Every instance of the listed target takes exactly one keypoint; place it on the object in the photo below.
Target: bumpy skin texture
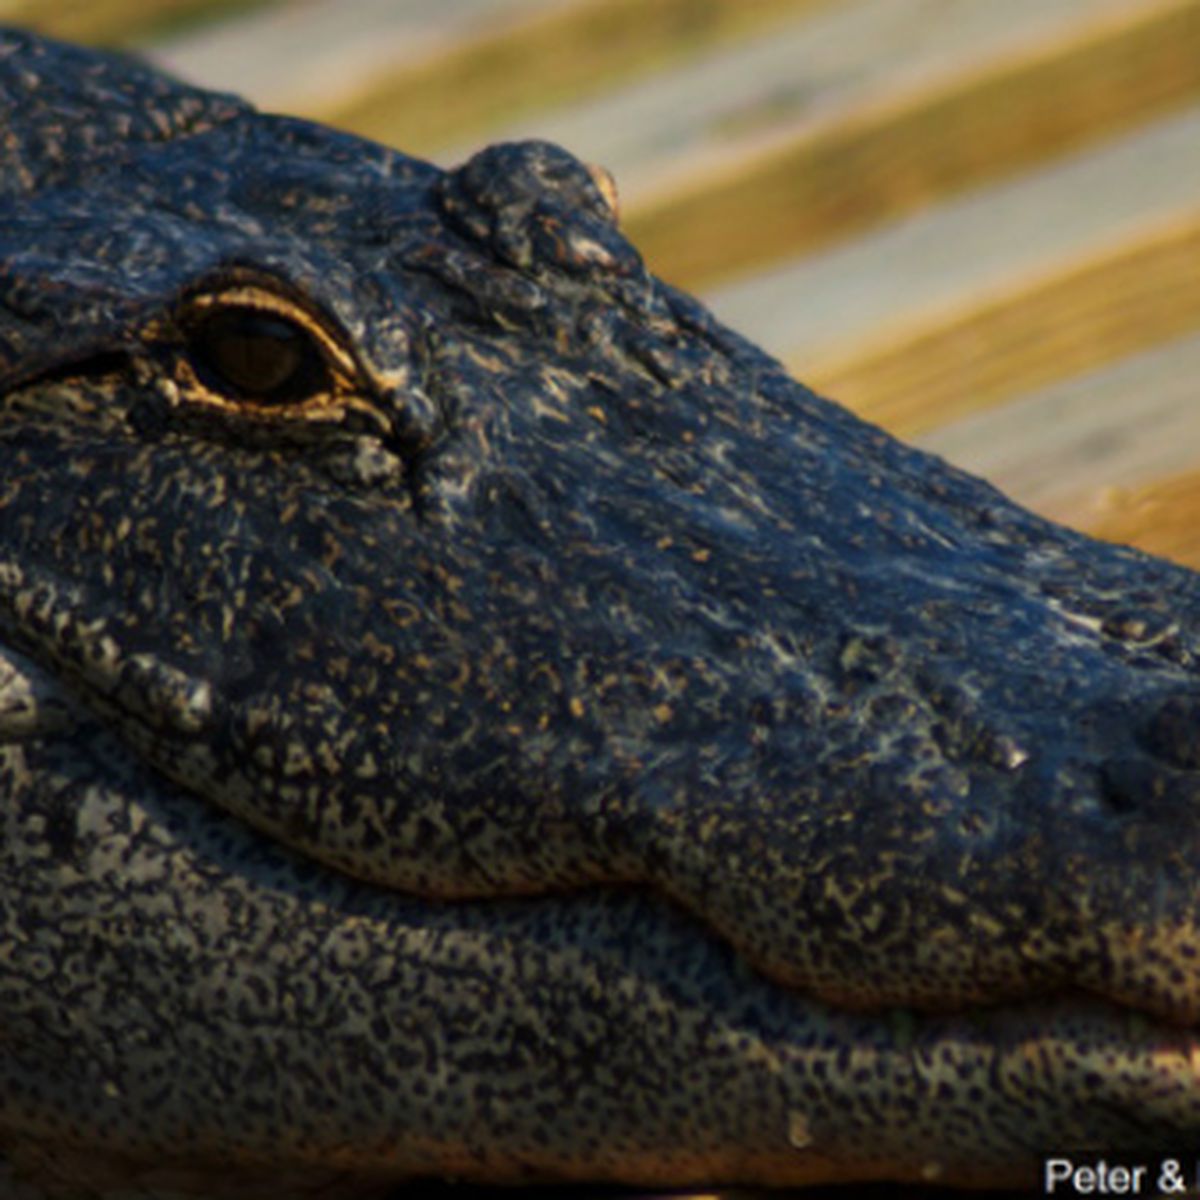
(542, 740)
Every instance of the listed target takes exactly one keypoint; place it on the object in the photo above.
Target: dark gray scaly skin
(519, 733)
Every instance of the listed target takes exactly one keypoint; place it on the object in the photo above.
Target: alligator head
(464, 712)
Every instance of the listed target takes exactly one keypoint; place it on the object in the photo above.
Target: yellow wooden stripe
(1128, 297)
(119, 22)
(1162, 517)
(871, 165)
(560, 56)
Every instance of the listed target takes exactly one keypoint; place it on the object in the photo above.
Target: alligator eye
(245, 353)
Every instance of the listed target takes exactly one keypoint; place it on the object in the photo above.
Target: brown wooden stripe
(1127, 298)
(558, 57)
(121, 22)
(1162, 517)
(865, 167)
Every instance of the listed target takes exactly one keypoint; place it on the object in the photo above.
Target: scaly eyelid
(269, 302)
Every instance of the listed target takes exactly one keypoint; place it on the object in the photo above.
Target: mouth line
(552, 989)
(610, 1016)
(904, 1023)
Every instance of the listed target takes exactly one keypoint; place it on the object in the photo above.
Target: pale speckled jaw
(465, 713)
(265, 1024)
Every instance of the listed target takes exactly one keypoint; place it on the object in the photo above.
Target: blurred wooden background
(977, 223)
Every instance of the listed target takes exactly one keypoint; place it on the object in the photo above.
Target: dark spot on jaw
(1128, 785)
(61, 832)
(1142, 786)
(1173, 732)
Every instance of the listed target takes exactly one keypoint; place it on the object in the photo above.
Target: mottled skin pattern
(529, 736)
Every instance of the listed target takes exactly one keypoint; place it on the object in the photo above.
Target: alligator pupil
(246, 354)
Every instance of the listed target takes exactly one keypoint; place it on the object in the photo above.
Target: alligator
(465, 714)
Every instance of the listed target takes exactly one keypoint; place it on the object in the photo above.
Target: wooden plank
(1061, 449)
(572, 50)
(120, 22)
(1117, 300)
(863, 167)
(910, 275)
(308, 58)
(1162, 517)
(658, 134)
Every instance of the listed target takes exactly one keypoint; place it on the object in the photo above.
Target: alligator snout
(1022, 820)
(472, 715)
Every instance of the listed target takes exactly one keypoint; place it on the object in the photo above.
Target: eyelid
(352, 394)
(260, 299)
